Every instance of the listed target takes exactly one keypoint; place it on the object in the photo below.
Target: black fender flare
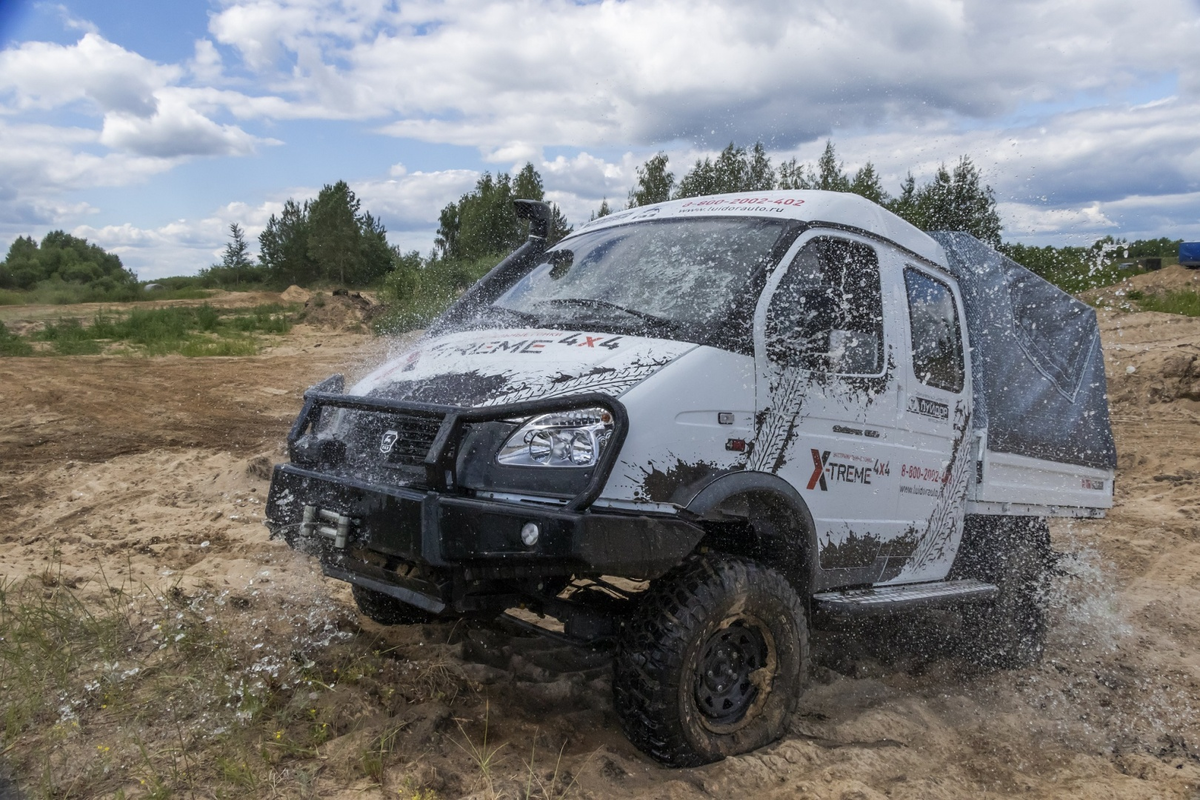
(800, 527)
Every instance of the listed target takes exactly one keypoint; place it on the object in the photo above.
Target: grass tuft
(190, 331)
(13, 345)
(137, 693)
(1182, 302)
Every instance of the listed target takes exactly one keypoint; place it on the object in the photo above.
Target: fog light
(530, 534)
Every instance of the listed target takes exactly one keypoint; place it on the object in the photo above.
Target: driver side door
(828, 391)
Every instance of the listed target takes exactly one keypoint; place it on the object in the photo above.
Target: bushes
(13, 345)
(67, 260)
(415, 293)
(196, 331)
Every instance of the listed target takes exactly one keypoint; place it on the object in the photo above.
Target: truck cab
(695, 431)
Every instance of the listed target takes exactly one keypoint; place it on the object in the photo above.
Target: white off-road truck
(700, 429)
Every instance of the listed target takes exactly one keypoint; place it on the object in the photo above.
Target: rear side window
(937, 354)
(827, 313)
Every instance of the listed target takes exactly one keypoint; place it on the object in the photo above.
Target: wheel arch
(782, 533)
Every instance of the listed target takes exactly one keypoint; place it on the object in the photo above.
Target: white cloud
(529, 73)
(180, 247)
(43, 75)
(1071, 124)
(75, 23)
(175, 130)
(143, 110)
(40, 164)
(206, 65)
(413, 201)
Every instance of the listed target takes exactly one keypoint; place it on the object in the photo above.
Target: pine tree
(760, 176)
(376, 256)
(334, 238)
(236, 262)
(905, 206)
(866, 184)
(283, 246)
(794, 175)
(733, 170)
(559, 227)
(528, 184)
(830, 176)
(482, 223)
(959, 202)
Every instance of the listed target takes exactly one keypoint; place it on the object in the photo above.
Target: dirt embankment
(152, 473)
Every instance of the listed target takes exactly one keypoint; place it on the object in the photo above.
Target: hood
(493, 367)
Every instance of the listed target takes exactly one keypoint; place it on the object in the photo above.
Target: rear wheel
(388, 610)
(712, 663)
(1014, 554)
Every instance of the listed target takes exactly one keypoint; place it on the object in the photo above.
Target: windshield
(682, 276)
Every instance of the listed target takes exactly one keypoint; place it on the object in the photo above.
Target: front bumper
(442, 551)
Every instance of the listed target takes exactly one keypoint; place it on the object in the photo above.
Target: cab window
(937, 352)
(827, 313)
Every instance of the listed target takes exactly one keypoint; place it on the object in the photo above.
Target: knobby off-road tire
(387, 610)
(712, 662)
(1014, 554)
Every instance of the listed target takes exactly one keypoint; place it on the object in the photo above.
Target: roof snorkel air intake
(504, 274)
(538, 214)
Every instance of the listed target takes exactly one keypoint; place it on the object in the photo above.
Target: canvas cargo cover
(1039, 383)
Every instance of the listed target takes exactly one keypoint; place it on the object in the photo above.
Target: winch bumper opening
(438, 551)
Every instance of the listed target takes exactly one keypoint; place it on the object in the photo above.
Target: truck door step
(888, 599)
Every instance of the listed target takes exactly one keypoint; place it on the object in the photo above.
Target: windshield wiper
(523, 316)
(591, 302)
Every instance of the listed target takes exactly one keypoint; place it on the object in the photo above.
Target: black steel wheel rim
(725, 684)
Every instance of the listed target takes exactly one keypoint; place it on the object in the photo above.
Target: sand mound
(340, 311)
(1168, 279)
(294, 294)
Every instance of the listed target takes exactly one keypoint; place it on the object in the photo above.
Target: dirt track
(153, 470)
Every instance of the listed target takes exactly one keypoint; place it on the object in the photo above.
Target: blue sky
(149, 127)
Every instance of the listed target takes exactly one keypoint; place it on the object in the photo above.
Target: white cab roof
(812, 207)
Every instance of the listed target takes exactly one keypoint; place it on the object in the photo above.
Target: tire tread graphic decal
(609, 381)
(946, 521)
(777, 423)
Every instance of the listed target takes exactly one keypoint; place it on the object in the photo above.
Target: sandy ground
(154, 471)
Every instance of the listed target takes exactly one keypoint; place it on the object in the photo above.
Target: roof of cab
(837, 209)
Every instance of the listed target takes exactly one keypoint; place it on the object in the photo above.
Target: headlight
(561, 439)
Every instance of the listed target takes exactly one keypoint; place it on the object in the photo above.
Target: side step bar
(889, 599)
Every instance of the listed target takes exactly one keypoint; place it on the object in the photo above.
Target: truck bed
(1018, 485)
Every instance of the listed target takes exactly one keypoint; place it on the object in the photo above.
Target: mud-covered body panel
(688, 426)
(496, 366)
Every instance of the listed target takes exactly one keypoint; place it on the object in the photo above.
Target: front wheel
(712, 663)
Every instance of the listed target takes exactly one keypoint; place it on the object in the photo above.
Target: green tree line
(953, 199)
(329, 239)
(65, 259)
(332, 239)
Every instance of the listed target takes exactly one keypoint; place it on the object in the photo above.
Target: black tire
(1014, 554)
(388, 610)
(712, 662)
